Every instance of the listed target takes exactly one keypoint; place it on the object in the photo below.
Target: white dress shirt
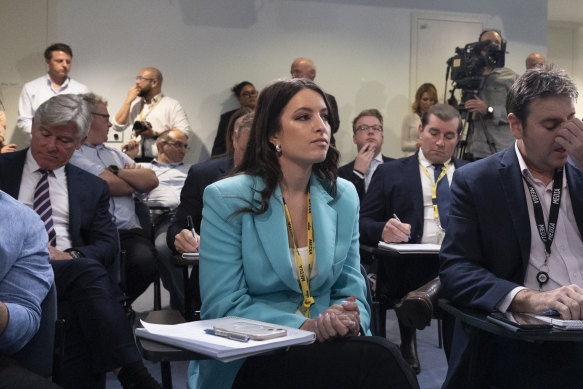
(36, 92)
(171, 179)
(58, 193)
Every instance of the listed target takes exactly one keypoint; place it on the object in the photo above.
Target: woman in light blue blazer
(282, 214)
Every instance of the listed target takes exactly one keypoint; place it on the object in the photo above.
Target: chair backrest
(37, 355)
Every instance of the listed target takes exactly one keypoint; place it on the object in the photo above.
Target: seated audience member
(171, 173)
(305, 68)
(81, 241)
(230, 128)
(58, 57)
(149, 112)
(416, 189)
(367, 128)
(247, 96)
(124, 178)
(425, 97)
(180, 237)
(513, 241)
(25, 279)
(4, 148)
(535, 59)
(256, 229)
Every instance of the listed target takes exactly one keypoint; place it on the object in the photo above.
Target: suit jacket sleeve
(373, 212)
(347, 172)
(468, 274)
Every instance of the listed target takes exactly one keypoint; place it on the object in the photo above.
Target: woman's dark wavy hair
(260, 156)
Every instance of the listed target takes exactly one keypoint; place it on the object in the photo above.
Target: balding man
(305, 68)
(150, 113)
(535, 59)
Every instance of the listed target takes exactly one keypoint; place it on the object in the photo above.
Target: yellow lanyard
(304, 280)
(434, 187)
(142, 117)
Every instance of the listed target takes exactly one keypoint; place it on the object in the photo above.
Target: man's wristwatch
(75, 254)
(490, 111)
(114, 169)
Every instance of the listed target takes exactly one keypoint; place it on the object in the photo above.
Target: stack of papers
(411, 248)
(191, 336)
(559, 323)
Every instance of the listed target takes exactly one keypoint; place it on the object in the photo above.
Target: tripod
(468, 128)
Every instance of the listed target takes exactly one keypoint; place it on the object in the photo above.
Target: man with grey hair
(513, 242)
(305, 68)
(123, 178)
(82, 243)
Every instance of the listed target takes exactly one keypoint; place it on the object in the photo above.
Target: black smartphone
(519, 321)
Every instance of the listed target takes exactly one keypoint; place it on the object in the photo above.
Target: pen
(399, 220)
(551, 312)
(191, 226)
(228, 335)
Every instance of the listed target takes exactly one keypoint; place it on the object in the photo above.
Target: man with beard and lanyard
(513, 241)
(145, 103)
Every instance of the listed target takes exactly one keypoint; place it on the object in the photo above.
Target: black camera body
(468, 63)
(140, 127)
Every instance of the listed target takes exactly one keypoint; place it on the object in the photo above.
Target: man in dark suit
(514, 238)
(180, 237)
(367, 129)
(82, 241)
(411, 188)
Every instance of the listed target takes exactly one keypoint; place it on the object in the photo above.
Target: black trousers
(353, 362)
(99, 337)
(14, 376)
(141, 258)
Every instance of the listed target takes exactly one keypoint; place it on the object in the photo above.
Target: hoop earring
(278, 149)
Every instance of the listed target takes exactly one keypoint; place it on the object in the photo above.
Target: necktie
(42, 205)
(443, 195)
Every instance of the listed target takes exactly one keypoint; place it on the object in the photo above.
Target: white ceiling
(570, 11)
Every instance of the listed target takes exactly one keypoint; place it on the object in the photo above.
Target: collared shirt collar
(171, 165)
(63, 86)
(525, 170)
(425, 162)
(155, 99)
(379, 157)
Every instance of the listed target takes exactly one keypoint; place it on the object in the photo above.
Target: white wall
(204, 47)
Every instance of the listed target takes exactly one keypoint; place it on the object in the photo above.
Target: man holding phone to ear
(368, 137)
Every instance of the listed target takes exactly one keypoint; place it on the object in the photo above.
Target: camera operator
(490, 104)
(150, 113)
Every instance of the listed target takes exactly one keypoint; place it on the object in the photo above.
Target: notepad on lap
(411, 248)
(559, 323)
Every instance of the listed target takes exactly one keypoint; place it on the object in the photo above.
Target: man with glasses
(58, 57)
(399, 207)
(149, 112)
(368, 137)
(124, 178)
(163, 200)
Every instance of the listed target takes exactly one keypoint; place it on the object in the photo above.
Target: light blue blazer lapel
(272, 232)
(325, 219)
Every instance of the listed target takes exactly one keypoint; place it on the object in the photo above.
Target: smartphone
(252, 330)
(519, 321)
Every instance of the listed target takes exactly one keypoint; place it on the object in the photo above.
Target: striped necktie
(42, 205)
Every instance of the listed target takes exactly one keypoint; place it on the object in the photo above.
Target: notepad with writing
(411, 248)
(191, 336)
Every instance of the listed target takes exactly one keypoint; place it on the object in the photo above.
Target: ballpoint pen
(191, 227)
(399, 220)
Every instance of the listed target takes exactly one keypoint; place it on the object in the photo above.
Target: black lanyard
(547, 234)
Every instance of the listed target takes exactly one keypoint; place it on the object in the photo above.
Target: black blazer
(90, 224)
(347, 172)
(199, 177)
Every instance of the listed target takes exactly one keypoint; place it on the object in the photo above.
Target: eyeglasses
(140, 78)
(178, 145)
(249, 94)
(364, 127)
(103, 115)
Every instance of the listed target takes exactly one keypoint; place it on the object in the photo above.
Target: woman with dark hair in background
(425, 97)
(247, 96)
(257, 226)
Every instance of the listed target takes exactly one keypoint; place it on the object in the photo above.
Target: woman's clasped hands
(336, 321)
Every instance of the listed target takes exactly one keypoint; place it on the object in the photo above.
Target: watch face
(490, 109)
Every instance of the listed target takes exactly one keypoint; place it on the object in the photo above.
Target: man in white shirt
(513, 241)
(149, 112)
(57, 81)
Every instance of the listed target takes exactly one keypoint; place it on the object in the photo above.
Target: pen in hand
(191, 227)
(399, 220)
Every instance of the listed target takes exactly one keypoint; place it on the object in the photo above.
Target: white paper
(412, 248)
